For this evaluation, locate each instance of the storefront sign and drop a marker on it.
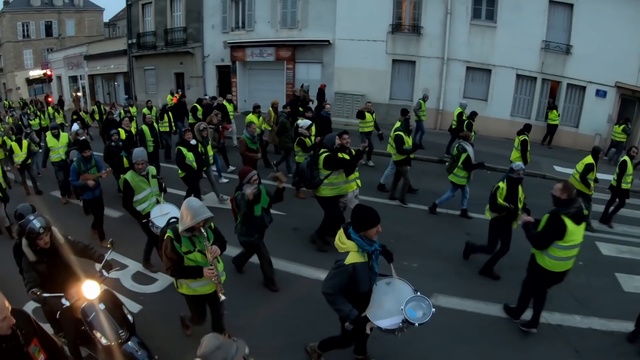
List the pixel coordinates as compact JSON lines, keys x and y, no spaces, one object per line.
{"x":260,"y":54}
{"x":74,"y":63}
{"x":283,"y":53}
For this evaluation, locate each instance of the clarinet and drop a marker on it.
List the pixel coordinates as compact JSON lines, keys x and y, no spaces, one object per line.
{"x":213,"y":261}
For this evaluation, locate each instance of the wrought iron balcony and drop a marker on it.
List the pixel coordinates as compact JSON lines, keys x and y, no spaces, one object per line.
{"x":556,"y":47}
{"x":146,"y":40}
{"x":400,"y":28}
{"x":176,"y":36}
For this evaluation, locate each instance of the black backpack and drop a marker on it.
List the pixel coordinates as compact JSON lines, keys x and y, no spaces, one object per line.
{"x":308,"y":173}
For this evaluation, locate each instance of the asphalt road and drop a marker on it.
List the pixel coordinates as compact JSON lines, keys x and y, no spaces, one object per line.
{"x":428,"y":254}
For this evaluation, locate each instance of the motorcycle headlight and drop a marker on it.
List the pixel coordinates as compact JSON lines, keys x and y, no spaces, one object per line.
{"x":90,"y":289}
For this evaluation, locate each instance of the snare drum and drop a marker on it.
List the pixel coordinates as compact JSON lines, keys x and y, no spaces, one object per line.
{"x":160,"y":215}
{"x":395,"y":303}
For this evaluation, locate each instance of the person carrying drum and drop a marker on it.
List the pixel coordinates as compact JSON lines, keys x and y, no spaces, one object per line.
{"x":349,"y":284}
{"x":141,"y":190}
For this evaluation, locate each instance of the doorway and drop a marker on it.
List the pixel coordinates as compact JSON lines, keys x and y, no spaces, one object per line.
{"x":224,"y":80}
{"x":629,"y":109}
{"x":179,"y":82}
{"x":549,"y":95}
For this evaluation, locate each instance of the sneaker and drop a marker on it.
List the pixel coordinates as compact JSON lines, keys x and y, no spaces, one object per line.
{"x":223,"y":180}
{"x":510,"y":311}
{"x":528,"y":326}
{"x":382,"y":188}
{"x":214,"y":168}
{"x":370,"y":163}
{"x":231,"y":168}
{"x":223,"y":199}
{"x":313,"y":352}
{"x":403,"y":203}
{"x":363,"y":162}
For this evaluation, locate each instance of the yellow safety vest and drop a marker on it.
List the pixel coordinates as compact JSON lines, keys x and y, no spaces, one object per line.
{"x":617,"y":134}
{"x":561,"y":255}
{"x":146,"y":192}
{"x":57,"y":147}
{"x":164,"y":123}
{"x":368,"y":123}
{"x":95,"y":112}
{"x":553,"y":118}
{"x":353,"y":180}
{"x":230,"y":108}
{"x":34,"y":123}
{"x":169,"y":100}
{"x":575,"y":177}
{"x":210,"y":153}
{"x":44,"y":120}
{"x":194,"y":251}
{"x":502,"y":192}
{"x":459,"y":176}
{"x":301,"y":155}
{"x":627,"y":179}
{"x":190,"y":158}
{"x":391,"y":146}
{"x":516,"y":153}
{"x":145,"y":112}
{"x":191,"y":119}
{"x":454,"y":124}
{"x":2,"y":182}
{"x":256,"y":119}
{"x":473,"y":129}
{"x":422,"y":112}
{"x":335,"y":182}
{"x":20,"y":154}
{"x":148,"y":137}
{"x":58,"y":116}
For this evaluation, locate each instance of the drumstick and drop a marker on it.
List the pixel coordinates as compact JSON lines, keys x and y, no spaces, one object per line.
{"x":157,"y":216}
{"x":393,"y":271}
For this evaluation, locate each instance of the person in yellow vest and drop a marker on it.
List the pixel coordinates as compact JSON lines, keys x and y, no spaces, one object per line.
{"x":366,"y":125}
{"x":189,"y":163}
{"x":401,"y":148}
{"x":192,"y":252}
{"x":521,"y":151}
{"x":555,"y":240}
{"x":8,"y":105}
{"x":98,"y":114}
{"x":620,"y":187}
{"x":619,"y":134}
{"x":285,"y":134}
{"x":170,"y":98}
{"x":273,"y":119}
{"x":12,"y":118}
{"x":166,"y":128}
{"x":262,"y":127}
{"x":196,"y":113}
{"x":420,"y":112}
{"x":584,"y":178}
{"x":116,"y":157}
{"x":5,"y":145}
{"x":459,"y":168}
{"x":470,"y":126}
{"x":4,"y":199}
{"x":148,"y":110}
{"x":303,"y":146}
{"x":553,"y":121}
{"x":141,"y":192}
{"x":57,"y":115}
{"x":207,"y":151}
{"x":455,"y":129}
{"x":55,"y":147}
{"x":20,"y":150}
{"x":232,"y":109}
{"x":41,"y":113}
{"x":506,"y":205}
{"x":338,"y":166}
{"x":149,"y":139}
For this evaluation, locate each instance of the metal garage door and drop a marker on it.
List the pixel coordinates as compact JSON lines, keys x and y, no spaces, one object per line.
{"x":266,"y":83}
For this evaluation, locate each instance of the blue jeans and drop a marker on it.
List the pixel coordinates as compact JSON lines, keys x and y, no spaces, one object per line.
{"x":217,"y":164}
{"x":464,"y":202}
{"x":388,"y":174}
{"x":165,"y":137}
{"x":180,"y":127}
{"x":418,"y":134}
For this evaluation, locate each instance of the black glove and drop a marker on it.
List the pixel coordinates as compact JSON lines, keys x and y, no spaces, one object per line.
{"x":386,"y":254}
{"x":108,"y":266}
{"x":380,"y":136}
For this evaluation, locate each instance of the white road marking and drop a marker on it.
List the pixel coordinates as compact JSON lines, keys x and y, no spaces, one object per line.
{"x":618,"y":229}
{"x":623,"y":212}
{"x":211,"y":200}
{"x":565,"y":170}
{"x":629,"y":283}
{"x":607,"y":196}
{"x":622,"y":251}
{"x":548,"y":317}
{"x":107,"y":210}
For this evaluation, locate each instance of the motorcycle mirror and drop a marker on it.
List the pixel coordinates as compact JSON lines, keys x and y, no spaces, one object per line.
{"x":110,"y":244}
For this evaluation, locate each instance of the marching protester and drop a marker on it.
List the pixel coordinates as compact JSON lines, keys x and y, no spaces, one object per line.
{"x":116,"y":157}
{"x":195,"y":113}
{"x":110,"y":123}
{"x":349,"y":284}
{"x":141,"y":189}
{"x":189,"y":163}
{"x":252,"y":204}
{"x":619,"y":134}
{"x":261,"y":127}
{"x":367,"y":124}
{"x":420,"y":113}
{"x":401,"y":147}
{"x":522,"y":146}
{"x":198,"y":277}
{"x":127,"y":137}
{"x":218,"y":130}
{"x":272,"y":119}
{"x":249,"y":146}
{"x":21,"y":153}
{"x":470,"y":126}
{"x":205,"y":149}
{"x":149,"y":109}
{"x":584,"y":178}
{"x":149,"y":139}
{"x":55,"y":148}
{"x":553,"y":121}
{"x":556,"y":240}
{"x":455,"y":129}
{"x":303,"y":147}
{"x":166,"y":128}
{"x":460,"y":167}
{"x":284,"y":132}
{"x":98,"y":114}
{"x":506,"y":205}
{"x":5,"y":199}
{"x":620,"y":187}
{"x":232,"y":109}
{"x":322,"y":122}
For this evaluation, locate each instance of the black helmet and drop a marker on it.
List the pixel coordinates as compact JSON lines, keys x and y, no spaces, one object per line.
{"x":37,"y":226}
{"x":23,"y":210}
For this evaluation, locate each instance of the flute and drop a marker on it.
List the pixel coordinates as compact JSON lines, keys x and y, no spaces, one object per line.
{"x":213,"y":261}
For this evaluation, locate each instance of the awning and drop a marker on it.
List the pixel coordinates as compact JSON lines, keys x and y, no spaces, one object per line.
{"x":627,"y":86}
{"x":271,"y":42}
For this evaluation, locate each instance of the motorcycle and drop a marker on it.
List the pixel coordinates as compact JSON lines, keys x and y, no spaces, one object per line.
{"x":107,"y":328}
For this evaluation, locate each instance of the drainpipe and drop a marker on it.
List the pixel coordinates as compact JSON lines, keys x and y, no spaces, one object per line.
{"x":444,"y":66}
{"x":132,"y":77}
{"x":204,"y":58}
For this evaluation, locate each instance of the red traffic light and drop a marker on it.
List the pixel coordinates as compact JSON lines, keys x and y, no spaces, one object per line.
{"x":49,"y":72}
{"x":48,"y":99}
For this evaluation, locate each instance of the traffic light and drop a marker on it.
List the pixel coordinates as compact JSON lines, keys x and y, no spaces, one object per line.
{"x":49,"y":75}
{"x":49,"y":100}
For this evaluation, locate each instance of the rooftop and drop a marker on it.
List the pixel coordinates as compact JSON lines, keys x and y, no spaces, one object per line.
{"x":120,"y":15}
{"x":25,"y":5}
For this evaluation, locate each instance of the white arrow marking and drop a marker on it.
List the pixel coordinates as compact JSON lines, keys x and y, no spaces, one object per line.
{"x":107,"y":210}
{"x":570,"y":171}
{"x":211,"y":200}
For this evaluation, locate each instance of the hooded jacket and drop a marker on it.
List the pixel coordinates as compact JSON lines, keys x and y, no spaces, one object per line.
{"x":284,"y":132}
{"x":181,"y":160}
{"x":86,"y":192}
{"x":114,"y":154}
{"x":252,"y":227}
{"x":204,"y":141}
{"x":349,"y":284}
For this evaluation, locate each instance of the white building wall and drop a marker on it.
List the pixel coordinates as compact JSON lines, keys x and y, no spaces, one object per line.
{"x":59,"y":68}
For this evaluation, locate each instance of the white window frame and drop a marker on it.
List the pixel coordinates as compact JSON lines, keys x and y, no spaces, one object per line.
{"x":407,"y":18}
{"x":228,"y":15}
{"x":402,"y":92}
{"x":70,"y":27}
{"x":146,"y":20}
{"x":150,"y":80}
{"x":524,"y":93}
{"x":43,"y":29}
{"x":474,"y":86}
{"x":30,"y":25}
{"x":176,"y":9}
{"x":27,"y":58}
{"x":289,"y":14}
{"x":482,"y":6}
{"x":46,"y":52}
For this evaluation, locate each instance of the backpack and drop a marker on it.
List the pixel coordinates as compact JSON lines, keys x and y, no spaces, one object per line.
{"x":308,"y":173}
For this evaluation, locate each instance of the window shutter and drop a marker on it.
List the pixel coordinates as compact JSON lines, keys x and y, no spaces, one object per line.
{"x":42,"y":30}
{"x":55,"y":28}
{"x":284,"y":13}
{"x":250,"y":14}
{"x":225,"y":16}
{"x":32,"y":29}
{"x":293,"y":13}
{"x":19,"y":31}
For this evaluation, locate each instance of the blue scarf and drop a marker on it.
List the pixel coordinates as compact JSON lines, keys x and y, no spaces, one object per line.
{"x":369,"y":247}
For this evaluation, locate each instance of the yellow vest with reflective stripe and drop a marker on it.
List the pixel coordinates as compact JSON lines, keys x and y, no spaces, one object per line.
{"x":210,"y":153}
{"x":2,"y":182}
{"x":148,"y":137}
{"x":553,"y":118}
{"x":190,"y":158}
{"x":57,"y":147}
{"x":19,"y":154}
{"x":169,"y":100}
{"x":146,"y":193}
{"x":627,"y":179}
{"x":230,"y":108}
{"x":502,"y":192}
{"x":367,"y":124}
{"x":146,"y":112}
{"x":454,"y":124}
{"x":422,"y":112}
{"x":194,"y":251}
{"x":334,"y":184}
{"x":617,"y":134}
{"x":459,"y":176}
{"x":516,"y":153}
{"x":353,"y":180}
{"x":57,"y":115}
{"x":301,"y":155}
{"x":164,"y":123}
{"x":34,"y":123}
{"x":191,"y":119}
{"x":561,"y":255}
{"x":255,"y":119}
{"x":575,"y":177}
{"x":391,"y":145}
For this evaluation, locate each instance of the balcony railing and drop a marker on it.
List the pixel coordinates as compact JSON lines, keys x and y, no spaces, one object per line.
{"x":146,"y":40}
{"x":176,"y":36}
{"x":556,"y":47}
{"x":399,"y":28}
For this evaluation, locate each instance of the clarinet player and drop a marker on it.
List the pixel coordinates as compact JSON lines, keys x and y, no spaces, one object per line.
{"x":185,"y":249}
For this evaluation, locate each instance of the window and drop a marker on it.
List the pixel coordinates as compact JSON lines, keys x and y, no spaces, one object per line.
{"x":476,"y":84}
{"x":309,"y":74}
{"x":176,"y":13}
{"x":237,"y":15}
{"x":71,"y":27}
{"x":28,"y":58}
{"x":150,"y":80}
{"x":46,"y":52}
{"x":484,"y":10}
{"x":572,"y":108}
{"x":48,"y":28}
{"x":147,"y":17}
{"x":289,"y":14}
{"x":523,"y":93}
{"x":549,"y":95}
{"x":403,"y":75}
{"x":407,"y":16}
{"x":26,"y":30}
{"x":559,"y":22}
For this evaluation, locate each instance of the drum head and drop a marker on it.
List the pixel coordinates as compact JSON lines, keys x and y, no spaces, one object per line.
{"x":417,"y":309}
{"x":161,"y":214}
{"x":387,"y":299}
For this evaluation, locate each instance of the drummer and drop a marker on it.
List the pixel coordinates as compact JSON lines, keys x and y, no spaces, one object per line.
{"x":349,"y":284}
{"x":140,"y":194}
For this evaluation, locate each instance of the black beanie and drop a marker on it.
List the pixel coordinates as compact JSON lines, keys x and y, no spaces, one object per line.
{"x":364,"y":218}
{"x":404,"y":112}
{"x":84,"y":145}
